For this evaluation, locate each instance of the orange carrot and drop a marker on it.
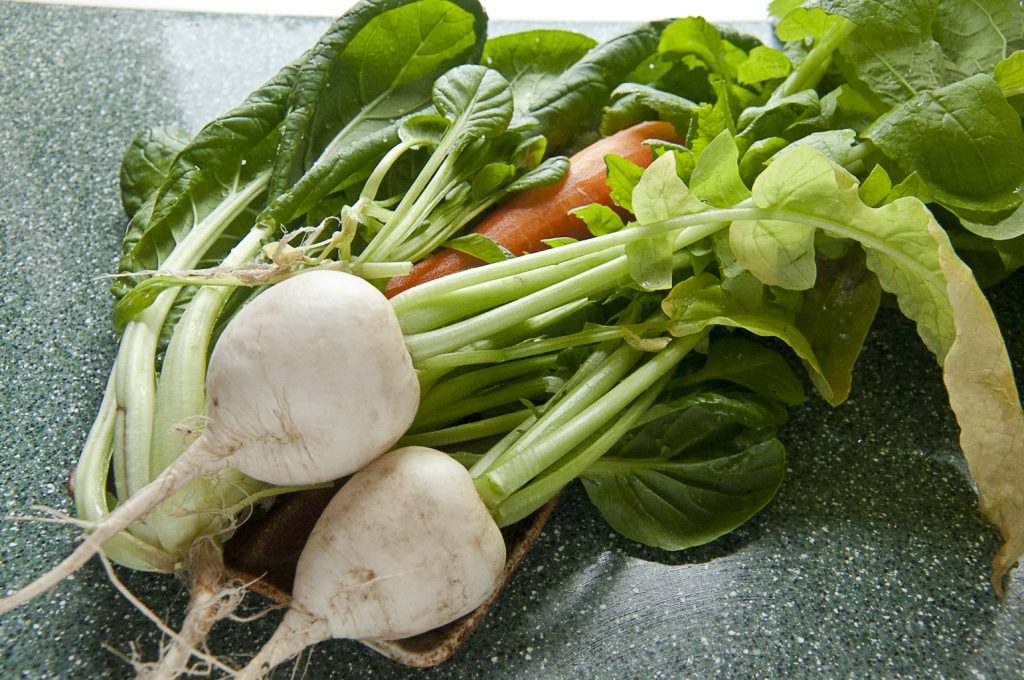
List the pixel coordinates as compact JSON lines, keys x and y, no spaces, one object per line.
{"x":522,"y":223}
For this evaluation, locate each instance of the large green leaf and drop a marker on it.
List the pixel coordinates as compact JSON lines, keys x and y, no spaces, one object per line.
{"x":633,"y":103}
{"x":891,"y":56}
{"x":146,"y":163}
{"x":979,"y":34}
{"x":706,"y":465}
{"x":532,"y":61}
{"x":965,"y":141}
{"x":750,"y":364}
{"x":836,"y":316}
{"x":227,"y":161}
{"x":375,"y":64}
{"x":325,"y":178}
{"x":577,"y":97}
{"x":913,"y":258}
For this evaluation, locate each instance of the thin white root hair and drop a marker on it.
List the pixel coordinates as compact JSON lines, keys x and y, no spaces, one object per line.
{"x":263,"y":613}
{"x":283,"y":255}
{"x":192,"y":426}
{"x":212,"y":599}
{"x":50,"y":516}
{"x":131,"y":659}
{"x":143,"y":608}
{"x":153,"y":617}
{"x":136,"y":507}
{"x":303,"y":663}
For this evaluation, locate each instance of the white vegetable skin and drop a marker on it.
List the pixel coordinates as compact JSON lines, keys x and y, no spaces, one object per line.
{"x":404,"y":547}
{"x":312,"y":385}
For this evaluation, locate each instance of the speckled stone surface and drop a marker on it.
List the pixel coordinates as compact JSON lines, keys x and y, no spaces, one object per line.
{"x":872,"y":561}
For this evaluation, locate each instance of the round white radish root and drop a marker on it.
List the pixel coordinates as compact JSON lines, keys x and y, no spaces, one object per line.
{"x":404,"y":547}
{"x":308,"y":383}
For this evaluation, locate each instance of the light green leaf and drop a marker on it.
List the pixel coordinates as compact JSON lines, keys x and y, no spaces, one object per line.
{"x":600,"y":219}
{"x":778,"y":253}
{"x":804,"y":184}
{"x":480,"y":247}
{"x":622,"y":176}
{"x":911,"y":186}
{"x":694,"y":35}
{"x":476,"y":99}
{"x":1009,"y":73}
{"x":763,"y":63}
{"x":876,"y":188}
{"x":701,"y":302}
{"x":716,"y":177}
{"x":836,"y":145}
{"x":660,"y":194}
{"x":650,"y":262}
{"x":559,"y":241}
{"x":737,"y":280}
{"x":711,"y":119}
{"x":780,"y":8}
{"x":800,"y":23}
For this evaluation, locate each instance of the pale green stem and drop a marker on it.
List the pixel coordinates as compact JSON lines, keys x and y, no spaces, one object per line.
{"x":91,"y":495}
{"x":467,"y":432}
{"x":136,"y":362}
{"x":512,"y":471}
{"x":535,"y":494}
{"x":809,"y":72}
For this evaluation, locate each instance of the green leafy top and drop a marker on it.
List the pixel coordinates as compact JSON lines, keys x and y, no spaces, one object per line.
{"x":773,"y":236}
{"x":374,"y":64}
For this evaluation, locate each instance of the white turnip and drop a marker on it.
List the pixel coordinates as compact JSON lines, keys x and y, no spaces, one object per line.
{"x":404,"y":547}
{"x":308,"y":383}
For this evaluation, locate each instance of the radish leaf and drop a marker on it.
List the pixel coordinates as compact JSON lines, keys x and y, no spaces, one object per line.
{"x":705,"y":466}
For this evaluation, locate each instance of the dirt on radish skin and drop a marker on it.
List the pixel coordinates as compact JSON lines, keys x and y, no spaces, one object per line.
{"x":404,"y":547}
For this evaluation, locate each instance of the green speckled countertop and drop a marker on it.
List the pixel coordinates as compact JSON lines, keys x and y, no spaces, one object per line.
{"x":872,"y":561}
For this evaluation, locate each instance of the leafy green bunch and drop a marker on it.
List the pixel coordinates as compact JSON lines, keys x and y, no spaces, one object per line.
{"x":876,"y":150}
